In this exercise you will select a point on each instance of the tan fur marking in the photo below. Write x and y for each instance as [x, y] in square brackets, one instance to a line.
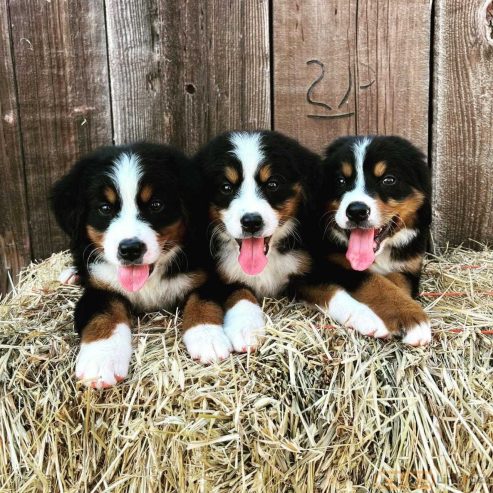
[391, 303]
[197, 311]
[406, 209]
[401, 281]
[265, 173]
[96, 237]
[332, 206]
[339, 259]
[347, 169]
[240, 294]
[380, 168]
[110, 195]
[232, 175]
[289, 207]
[172, 234]
[146, 193]
[319, 294]
[102, 325]
[215, 214]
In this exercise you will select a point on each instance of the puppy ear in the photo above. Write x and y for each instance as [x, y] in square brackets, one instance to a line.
[334, 146]
[65, 200]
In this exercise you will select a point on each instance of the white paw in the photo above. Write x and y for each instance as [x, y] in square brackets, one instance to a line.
[420, 335]
[69, 276]
[343, 308]
[103, 363]
[244, 324]
[207, 343]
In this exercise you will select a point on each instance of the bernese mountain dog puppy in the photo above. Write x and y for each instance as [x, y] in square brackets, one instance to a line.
[258, 185]
[128, 211]
[376, 213]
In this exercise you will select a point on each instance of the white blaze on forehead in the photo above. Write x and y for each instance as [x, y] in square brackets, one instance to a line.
[358, 193]
[247, 148]
[126, 175]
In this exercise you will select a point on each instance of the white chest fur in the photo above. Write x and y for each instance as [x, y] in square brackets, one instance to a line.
[157, 293]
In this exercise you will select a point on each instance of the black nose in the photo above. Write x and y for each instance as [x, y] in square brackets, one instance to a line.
[358, 211]
[131, 249]
[251, 222]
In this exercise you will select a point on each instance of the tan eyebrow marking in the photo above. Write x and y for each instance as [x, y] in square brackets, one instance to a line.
[232, 175]
[347, 169]
[265, 173]
[110, 195]
[146, 193]
[380, 168]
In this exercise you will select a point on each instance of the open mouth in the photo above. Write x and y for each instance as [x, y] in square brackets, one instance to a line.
[253, 254]
[266, 242]
[364, 243]
[132, 277]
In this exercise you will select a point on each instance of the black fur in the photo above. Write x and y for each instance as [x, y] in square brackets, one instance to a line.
[408, 165]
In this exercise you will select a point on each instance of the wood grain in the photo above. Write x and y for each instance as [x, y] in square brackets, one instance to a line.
[183, 71]
[375, 57]
[61, 71]
[14, 232]
[462, 132]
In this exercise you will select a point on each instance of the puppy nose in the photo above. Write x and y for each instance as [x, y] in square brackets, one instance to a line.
[251, 222]
[358, 211]
[131, 249]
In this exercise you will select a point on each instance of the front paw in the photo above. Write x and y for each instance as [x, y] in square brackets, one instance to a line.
[207, 343]
[69, 276]
[343, 308]
[244, 324]
[104, 362]
[418, 335]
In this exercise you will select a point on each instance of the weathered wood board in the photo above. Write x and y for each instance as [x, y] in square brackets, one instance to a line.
[462, 140]
[344, 67]
[61, 72]
[15, 251]
[183, 71]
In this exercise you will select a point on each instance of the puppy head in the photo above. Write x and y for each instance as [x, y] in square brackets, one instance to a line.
[377, 193]
[256, 184]
[123, 205]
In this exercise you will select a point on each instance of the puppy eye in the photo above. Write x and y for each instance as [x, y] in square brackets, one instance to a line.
[105, 209]
[156, 205]
[341, 181]
[272, 185]
[227, 188]
[389, 180]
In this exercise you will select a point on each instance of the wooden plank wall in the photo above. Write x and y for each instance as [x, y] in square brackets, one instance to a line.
[462, 142]
[78, 74]
[355, 67]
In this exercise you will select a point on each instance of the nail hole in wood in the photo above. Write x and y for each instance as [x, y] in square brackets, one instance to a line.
[190, 88]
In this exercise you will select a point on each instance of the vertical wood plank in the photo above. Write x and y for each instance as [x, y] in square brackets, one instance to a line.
[184, 71]
[393, 60]
[314, 45]
[462, 132]
[375, 73]
[14, 233]
[61, 70]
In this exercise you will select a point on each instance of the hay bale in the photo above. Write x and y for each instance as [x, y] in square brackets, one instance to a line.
[318, 408]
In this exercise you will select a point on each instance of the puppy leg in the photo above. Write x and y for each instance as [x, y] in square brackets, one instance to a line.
[204, 336]
[244, 322]
[344, 309]
[401, 314]
[103, 321]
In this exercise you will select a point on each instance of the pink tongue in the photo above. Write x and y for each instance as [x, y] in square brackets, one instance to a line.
[360, 249]
[252, 258]
[133, 277]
